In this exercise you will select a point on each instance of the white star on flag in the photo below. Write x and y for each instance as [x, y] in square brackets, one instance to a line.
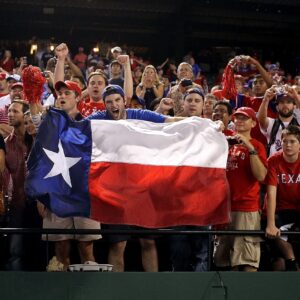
[62, 164]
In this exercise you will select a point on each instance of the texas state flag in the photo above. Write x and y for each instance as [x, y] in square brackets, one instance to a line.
[131, 171]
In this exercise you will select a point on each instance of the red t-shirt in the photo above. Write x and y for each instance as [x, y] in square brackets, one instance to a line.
[8, 66]
[244, 187]
[86, 107]
[286, 177]
[257, 134]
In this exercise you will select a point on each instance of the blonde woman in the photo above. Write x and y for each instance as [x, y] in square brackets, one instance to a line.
[150, 87]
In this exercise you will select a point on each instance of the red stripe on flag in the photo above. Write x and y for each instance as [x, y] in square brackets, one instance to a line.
[158, 196]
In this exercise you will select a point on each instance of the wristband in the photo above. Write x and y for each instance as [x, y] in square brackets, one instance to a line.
[253, 152]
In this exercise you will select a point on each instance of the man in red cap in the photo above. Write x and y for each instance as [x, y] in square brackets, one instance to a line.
[68, 96]
[246, 167]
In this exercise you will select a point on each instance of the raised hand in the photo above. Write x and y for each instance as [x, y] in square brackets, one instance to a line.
[270, 93]
[123, 59]
[61, 51]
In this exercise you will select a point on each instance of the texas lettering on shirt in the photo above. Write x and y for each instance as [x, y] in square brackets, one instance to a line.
[285, 177]
[288, 178]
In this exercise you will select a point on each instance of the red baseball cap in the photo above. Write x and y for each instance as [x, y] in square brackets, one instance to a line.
[246, 111]
[70, 85]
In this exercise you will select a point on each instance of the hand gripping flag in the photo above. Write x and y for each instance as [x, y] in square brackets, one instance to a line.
[131, 171]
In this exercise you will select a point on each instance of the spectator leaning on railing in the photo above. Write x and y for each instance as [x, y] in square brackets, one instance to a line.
[283, 194]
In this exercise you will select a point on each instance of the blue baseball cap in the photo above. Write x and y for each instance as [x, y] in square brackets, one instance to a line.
[193, 91]
[281, 96]
[112, 89]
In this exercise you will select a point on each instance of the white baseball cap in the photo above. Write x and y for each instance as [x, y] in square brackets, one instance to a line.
[116, 49]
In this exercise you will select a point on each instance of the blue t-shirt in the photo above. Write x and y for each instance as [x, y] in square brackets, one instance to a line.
[138, 114]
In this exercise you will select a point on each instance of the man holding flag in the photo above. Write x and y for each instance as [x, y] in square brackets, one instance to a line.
[113, 97]
[114, 101]
[68, 96]
[123, 178]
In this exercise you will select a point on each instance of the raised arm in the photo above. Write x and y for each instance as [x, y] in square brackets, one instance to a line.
[263, 72]
[262, 115]
[61, 52]
[128, 81]
[163, 63]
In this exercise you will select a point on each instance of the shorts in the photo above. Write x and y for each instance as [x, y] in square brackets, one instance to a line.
[287, 216]
[239, 250]
[52, 221]
[117, 238]
[290, 219]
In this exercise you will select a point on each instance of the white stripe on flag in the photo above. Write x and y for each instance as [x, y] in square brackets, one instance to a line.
[191, 142]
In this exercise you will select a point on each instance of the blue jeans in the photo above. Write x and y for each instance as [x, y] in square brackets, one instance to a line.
[189, 252]
[16, 241]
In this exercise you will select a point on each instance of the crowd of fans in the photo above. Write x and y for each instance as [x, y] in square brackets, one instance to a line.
[257, 104]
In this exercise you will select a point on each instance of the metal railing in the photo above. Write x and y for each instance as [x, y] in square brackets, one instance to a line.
[139, 232]
[136, 231]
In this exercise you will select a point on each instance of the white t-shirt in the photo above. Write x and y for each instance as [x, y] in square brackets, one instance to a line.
[49, 101]
[276, 146]
[5, 101]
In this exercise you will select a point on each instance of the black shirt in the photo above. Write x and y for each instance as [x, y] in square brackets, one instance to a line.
[2, 143]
